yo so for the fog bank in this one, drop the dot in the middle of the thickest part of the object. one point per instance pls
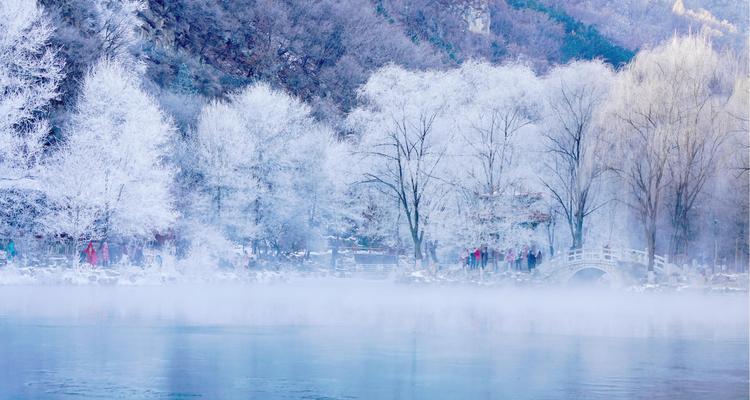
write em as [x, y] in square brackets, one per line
[383, 305]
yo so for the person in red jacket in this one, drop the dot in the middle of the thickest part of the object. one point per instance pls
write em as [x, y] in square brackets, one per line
[477, 258]
[90, 253]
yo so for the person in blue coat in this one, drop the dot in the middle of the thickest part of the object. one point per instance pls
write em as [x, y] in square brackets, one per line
[531, 260]
[10, 250]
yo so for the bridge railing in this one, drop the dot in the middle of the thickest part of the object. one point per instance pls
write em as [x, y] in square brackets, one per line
[594, 254]
[604, 254]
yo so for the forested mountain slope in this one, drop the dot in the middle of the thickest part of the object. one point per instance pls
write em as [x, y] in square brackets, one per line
[323, 50]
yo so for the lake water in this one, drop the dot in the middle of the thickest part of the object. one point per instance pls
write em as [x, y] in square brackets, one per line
[369, 340]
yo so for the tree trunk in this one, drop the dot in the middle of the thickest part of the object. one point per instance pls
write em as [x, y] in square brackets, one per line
[416, 237]
[551, 236]
[680, 234]
[578, 233]
[651, 243]
[217, 216]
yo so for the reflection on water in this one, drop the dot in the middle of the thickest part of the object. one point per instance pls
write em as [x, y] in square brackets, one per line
[369, 342]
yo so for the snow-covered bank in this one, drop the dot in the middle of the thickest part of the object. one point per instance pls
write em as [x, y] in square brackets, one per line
[130, 276]
[181, 274]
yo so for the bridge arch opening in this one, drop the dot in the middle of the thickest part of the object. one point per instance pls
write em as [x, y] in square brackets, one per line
[590, 275]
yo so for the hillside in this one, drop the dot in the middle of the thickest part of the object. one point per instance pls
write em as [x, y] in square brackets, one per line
[322, 51]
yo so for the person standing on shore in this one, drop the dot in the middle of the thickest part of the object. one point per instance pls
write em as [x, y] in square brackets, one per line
[485, 256]
[90, 254]
[531, 259]
[510, 258]
[519, 259]
[105, 254]
[10, 250]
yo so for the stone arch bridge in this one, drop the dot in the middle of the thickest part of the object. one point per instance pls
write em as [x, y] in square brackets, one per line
[613, 263]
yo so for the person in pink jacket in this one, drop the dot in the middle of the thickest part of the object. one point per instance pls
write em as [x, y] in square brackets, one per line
[510, 258]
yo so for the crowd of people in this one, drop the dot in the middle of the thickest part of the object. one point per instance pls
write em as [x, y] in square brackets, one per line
[92, 257]
[95, 253]
[101, 253]
[520, 260]
[104, 255]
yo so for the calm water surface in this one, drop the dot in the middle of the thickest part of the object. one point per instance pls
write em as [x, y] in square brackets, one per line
[116, 351]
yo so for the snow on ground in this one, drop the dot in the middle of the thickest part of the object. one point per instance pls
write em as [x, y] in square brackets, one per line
[128, 276]
[184, 272]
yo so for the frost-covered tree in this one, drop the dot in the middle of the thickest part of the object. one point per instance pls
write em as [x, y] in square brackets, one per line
[667, 110]
[87, 31]
[729, 190]
[376, 217]
[575, 143]
[263, 161]
[29, 77]
[223, 148]
[112, 165]
[323, 180]
[404, 136]
[496, 109]
[702, 82]
[739, 123]
[455, 151]
[73, 204]
[640, 118]
[118, 27]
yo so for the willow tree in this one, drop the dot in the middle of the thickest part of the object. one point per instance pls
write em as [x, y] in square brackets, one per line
[667, 120]
[574, 142]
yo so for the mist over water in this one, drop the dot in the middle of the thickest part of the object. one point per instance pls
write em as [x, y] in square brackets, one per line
[348, 338]
[365, 304]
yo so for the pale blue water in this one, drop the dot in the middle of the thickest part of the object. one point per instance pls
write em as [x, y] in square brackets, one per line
[110, 352]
